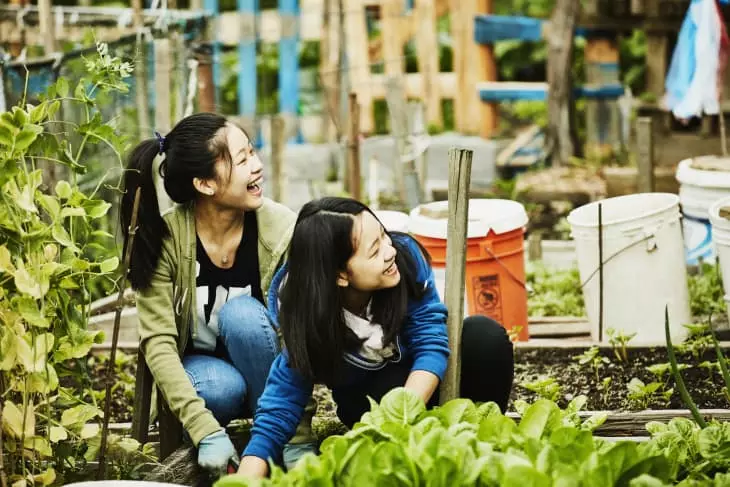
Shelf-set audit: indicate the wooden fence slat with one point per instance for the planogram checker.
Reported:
(289, 66)
(358, 59)
(428, 60)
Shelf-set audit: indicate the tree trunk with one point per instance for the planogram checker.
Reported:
(562, 137)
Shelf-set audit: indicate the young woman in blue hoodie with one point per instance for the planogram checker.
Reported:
(359, 312)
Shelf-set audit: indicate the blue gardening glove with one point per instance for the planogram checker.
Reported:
(215, 451)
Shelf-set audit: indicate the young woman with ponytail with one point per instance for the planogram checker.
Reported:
(201, 271)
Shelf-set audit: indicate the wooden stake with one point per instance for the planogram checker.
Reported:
(278, 134)
(645, 159)
(353, 160)
(115, 336)
(395, 97)
(723, 133)
(45, 19)
(600, 272)
(140, 74)
(206, 90)
(163, 66)
(459, 179)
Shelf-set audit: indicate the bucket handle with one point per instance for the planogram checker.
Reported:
(650, 239)
(509, 272)
(649, 232)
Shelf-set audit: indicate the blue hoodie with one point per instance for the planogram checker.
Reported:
(422, 340)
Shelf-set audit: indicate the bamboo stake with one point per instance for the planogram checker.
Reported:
(3, 475)
(600, 272)
(277, 156)
(354, 152)
(115, 336)
(645, 159)
(459, 179)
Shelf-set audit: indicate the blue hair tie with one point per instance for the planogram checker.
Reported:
(161, 141)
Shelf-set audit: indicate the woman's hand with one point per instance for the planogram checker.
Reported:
(254, 467)
(422, 383)
(215, 451)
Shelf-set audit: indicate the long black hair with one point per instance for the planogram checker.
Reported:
(311, 314)
(191, 150)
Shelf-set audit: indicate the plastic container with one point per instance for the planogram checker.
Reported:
(721, 240)
(393, 221)
(643, 266)
(495, 262)
(702, 181)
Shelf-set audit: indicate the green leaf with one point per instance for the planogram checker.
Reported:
(50, 204)
(27, 136)
(79, 415)
(6, 137)
(6, 262)
(459, 410)
(541, 417)
(58, 433)
(90, 430)
(8, 351)
(61, 236)
(43, 382)
(109, 265)
(28, 309)
(53, 108)
(72, 211)
(63, 190)
(98, 209)
(33, 357)
(401, 405)
(27, 285)
(40, 445)
(62, 87)
(20, 117)
(38, 113)
(12, 420)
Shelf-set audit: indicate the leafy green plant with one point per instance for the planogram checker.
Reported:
(544, 387)
(593, 358)
(698, 341)
(618, 341)
(706, 291)
(641, 395)
(554, 292)
(400, 442)
(605, 388)
(48, 254)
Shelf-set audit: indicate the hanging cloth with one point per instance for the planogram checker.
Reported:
(694, 78)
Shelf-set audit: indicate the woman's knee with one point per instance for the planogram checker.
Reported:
(244, 316)
(486, 334)
(219, 384)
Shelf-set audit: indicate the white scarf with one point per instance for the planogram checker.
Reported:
(372, 347)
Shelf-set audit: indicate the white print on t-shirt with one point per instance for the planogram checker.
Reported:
(207, 332)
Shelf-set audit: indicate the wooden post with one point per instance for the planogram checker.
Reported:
(534, 246)
(603, 117)
(246, 89)
(428, 60)
(17, 43)
(213, 35)
(391, 13)
(656, 70)
(163, 123)
(459, 179)
(561, 129)
(473, 63)
(278, 134)
(46, 25)
(206, 89)
(396, 99)
(140, 73)
(645, 159)
(329, 73)
(358, 61)
(289, 66)
(353, 159)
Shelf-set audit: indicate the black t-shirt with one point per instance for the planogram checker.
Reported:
(215, 286)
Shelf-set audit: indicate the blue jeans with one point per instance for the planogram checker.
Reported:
(231, 389)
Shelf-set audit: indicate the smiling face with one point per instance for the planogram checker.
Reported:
(372, 266)
(239, 177)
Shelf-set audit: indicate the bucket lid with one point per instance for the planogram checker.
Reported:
(622, 209)
(714, 211)
(705, 171)
(499, 216)
(393, 220)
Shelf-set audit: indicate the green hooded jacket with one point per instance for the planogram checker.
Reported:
(166, 308)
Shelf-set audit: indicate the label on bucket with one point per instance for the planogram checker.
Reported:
(439, 274)
(697, 240)
(487, 296)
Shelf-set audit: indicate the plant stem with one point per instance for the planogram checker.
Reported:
(3, 476)
(686, 398)
(115, 335)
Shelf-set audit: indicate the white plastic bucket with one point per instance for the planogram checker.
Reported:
(698, 190)
(721, 241)
(643, 266)
(393, 221)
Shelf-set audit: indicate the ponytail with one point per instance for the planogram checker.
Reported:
(151, 227)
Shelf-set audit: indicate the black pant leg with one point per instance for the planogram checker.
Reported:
(487, 361)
